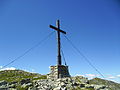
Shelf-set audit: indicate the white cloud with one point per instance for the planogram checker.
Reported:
(80, 75)
(111, 77)
(8, 68)
(118, 75)
(1, 67)
(90, 76)
(114, 78)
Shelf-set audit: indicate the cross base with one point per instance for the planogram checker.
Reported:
(58, 71)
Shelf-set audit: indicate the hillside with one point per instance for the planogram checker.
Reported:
(22, 80)
(18, 75)
(111, 84)
(15, 79)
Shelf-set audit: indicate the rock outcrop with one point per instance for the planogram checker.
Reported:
(74, 83)
(21, 80)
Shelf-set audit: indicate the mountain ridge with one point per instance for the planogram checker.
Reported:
(22, 80)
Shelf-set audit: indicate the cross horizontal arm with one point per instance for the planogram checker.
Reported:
(57, 29)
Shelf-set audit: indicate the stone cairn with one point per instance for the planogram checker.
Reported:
(58, 71)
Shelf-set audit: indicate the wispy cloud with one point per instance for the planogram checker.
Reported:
(90, 76)
(1, 67)
(13, 68)
(111, 77)
(118, 76)
(7, 68)
(80, 75)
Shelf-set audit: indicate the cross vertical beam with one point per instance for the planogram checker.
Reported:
(59, 62)
(57, 28)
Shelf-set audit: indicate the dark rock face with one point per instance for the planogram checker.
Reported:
(3, 83)
(25, 81)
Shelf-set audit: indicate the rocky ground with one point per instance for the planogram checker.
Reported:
(75, 83)
(30, 81)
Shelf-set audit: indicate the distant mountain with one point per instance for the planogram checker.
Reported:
(112, 85)
(22, 80)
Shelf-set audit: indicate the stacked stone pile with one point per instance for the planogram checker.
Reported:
(74, 83)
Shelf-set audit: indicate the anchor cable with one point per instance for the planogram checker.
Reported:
(63, 57)
(67, 68)
(27, 51)
(86, 59)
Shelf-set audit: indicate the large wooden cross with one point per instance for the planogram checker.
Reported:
(57, 28)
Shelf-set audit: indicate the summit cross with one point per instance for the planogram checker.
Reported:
(57, 28)
(59, 70)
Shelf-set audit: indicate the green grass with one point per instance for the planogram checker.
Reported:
(112, 85)
(21, 88)
(41, 77)
(18, 75)
(78, 88)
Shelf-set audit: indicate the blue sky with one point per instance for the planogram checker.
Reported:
(92, 25)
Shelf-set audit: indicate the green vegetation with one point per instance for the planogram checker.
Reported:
(21, 88)
(78, 88)
(18, 75)
(77, 79)
(17, 78)
(110, 84)
(40, 77)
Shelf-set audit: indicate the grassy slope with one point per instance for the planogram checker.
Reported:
(111, 84)
(18, 75)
